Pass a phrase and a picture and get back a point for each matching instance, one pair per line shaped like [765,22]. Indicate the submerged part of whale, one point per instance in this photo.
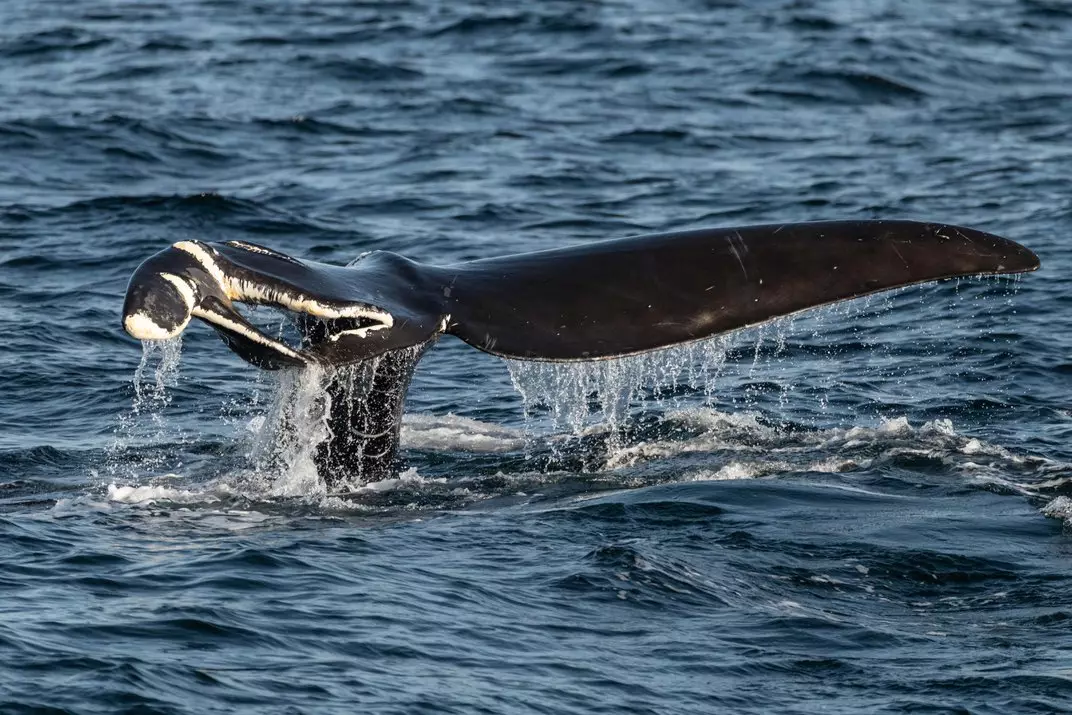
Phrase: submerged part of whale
[588,302]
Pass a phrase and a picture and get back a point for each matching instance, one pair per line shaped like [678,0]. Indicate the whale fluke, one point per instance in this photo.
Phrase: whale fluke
[621,297]
[588,302]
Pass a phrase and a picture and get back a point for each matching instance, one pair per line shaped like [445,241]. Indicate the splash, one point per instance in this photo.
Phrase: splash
[293,421]
[284,440]
[353,408]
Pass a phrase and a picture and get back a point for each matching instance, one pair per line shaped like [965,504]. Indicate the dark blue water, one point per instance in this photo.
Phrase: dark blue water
[860,511]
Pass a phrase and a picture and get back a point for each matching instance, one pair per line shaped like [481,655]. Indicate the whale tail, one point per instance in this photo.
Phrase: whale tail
[588,302]
[374,319]
[616,298]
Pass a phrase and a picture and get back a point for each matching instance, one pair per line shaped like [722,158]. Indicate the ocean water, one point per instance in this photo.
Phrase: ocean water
[860,510]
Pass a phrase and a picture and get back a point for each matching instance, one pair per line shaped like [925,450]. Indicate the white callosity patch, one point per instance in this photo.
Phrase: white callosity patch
[359,332]
[259,293]
[248,291]
[202,255]
[142,327]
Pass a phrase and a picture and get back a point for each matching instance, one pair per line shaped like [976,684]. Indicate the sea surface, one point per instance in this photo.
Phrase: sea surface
[864,509]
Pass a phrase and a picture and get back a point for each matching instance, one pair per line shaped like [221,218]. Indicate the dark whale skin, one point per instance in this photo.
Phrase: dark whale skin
[588,302]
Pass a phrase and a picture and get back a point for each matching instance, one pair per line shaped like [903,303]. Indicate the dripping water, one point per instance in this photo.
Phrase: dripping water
[579,399]
[583,399]
[144,427]
[284,439]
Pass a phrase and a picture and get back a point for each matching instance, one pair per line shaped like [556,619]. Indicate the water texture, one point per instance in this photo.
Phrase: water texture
[860,510]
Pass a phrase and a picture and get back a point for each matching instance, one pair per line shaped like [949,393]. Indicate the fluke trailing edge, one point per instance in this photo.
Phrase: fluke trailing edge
[594,301]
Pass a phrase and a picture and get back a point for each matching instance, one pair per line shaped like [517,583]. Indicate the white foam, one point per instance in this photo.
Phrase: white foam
[455,433]
[408,478]
[1059,508]
[154,494]
[713,420]
[756,469]
[938,427]
[733,470]
[780,451]
[836,465]
[887,427]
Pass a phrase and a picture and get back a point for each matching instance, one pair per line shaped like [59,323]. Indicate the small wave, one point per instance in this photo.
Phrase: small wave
[333,37]
[632,575]
[503,25]
[55,40]
[360,68]
[211,508]
[320,126]
[173,43]
[209,213]
[1049,9]
[123,206]
[840,85]
[132,73]
[651,137]
[600,66]
[472,25]
[18,459]
[813,22]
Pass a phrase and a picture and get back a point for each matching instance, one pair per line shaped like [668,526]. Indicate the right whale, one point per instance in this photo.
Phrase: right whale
[589,302]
